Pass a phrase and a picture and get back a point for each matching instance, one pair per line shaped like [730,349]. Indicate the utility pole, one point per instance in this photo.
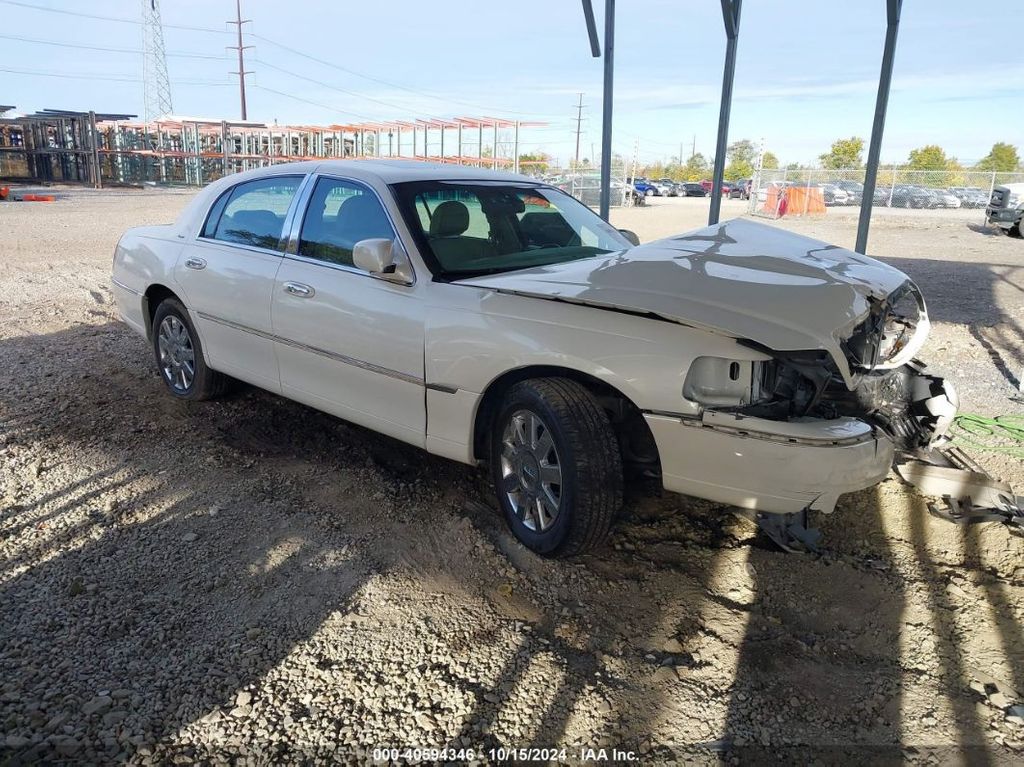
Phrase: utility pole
[239,21]
[579,123]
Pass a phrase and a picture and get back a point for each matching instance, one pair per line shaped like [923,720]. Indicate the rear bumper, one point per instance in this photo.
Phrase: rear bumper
[767,465]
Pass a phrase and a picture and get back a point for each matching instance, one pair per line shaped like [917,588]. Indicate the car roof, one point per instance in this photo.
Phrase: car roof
[390,171]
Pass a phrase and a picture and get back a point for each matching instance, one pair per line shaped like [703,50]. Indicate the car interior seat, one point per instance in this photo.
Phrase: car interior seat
[447,236]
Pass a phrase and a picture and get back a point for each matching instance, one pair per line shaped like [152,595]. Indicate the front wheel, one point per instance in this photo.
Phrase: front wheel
[179,355]
[556,466]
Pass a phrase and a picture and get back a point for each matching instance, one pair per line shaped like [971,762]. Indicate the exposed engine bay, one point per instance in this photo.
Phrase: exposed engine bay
[891,390]
[913,408]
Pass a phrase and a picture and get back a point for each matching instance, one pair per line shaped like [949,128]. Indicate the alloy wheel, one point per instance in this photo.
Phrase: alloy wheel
[177,355]
[531,470]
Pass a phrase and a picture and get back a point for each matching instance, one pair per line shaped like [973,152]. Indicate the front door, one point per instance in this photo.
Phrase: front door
[349,343]
[227,275]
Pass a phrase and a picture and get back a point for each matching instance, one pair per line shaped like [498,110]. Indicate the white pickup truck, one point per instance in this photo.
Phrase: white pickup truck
[1006,208]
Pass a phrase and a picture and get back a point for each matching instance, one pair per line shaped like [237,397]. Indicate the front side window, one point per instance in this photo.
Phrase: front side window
[471,228]
[340,214]
[253,213]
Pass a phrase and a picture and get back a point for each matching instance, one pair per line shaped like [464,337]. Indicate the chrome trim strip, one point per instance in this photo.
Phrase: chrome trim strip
[121,285]
[343,358]
[443,388]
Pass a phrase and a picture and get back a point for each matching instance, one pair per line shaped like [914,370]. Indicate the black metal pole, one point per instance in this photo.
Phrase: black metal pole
[731,16]
[894,8]
[606,117]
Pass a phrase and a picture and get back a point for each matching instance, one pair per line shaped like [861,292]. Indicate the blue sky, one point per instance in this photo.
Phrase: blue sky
[806,71]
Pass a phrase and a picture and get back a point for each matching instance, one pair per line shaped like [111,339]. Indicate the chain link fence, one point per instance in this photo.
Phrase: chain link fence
[819,191]
[585,185]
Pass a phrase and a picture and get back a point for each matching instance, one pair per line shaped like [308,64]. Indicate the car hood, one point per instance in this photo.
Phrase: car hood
[740,278]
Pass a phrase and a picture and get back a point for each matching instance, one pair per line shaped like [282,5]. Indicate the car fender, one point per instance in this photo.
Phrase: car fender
[474,336]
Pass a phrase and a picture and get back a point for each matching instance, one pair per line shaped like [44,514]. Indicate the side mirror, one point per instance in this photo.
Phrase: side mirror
[383,258]
[630,235]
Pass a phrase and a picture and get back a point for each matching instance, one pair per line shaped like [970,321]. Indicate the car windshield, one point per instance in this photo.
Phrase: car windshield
[471,228]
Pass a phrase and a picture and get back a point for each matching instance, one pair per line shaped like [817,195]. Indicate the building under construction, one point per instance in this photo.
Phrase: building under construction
[60,146]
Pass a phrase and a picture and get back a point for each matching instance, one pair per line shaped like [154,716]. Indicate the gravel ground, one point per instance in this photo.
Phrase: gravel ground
[207,581]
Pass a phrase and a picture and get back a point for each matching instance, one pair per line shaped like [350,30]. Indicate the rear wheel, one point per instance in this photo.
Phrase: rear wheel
[556,466]
[179,355]
[1015,230]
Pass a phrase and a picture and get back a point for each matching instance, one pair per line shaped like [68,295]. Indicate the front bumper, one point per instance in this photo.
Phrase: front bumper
[771,466]
[1002,217]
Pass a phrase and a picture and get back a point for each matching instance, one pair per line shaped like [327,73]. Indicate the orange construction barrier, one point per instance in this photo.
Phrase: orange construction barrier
[794,201]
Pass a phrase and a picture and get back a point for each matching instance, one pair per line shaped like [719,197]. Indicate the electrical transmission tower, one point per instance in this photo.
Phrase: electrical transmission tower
[156,84]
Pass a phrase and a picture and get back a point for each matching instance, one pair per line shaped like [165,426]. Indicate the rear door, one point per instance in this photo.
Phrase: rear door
[227,274]
[349,343]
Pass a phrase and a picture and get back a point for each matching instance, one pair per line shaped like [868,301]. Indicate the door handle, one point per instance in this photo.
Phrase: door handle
[299,289]
[195,263]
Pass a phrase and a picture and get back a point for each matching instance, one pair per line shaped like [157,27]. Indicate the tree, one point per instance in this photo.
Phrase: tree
[769,161]
[1003,158]
[942,170]
[535,163]
[930,157]
[845,153]
[696,168]
[741,156]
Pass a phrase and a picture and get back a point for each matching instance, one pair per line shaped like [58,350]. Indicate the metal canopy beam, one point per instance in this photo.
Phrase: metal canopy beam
[588,14]
[606,113]
[731,17]
[893,11]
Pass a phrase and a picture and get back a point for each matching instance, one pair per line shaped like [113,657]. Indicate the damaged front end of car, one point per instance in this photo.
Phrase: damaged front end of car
[877,380]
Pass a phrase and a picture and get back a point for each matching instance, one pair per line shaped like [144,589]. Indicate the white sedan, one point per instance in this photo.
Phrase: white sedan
[492,319]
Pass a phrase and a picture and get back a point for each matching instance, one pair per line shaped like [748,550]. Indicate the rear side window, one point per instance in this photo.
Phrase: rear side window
[253,213]
[340,214]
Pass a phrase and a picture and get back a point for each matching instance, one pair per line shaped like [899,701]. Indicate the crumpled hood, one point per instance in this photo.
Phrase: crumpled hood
[740,278]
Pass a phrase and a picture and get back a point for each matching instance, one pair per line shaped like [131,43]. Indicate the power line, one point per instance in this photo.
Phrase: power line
[322,84]
[106,78]
[418,92]
[106,49]
[267,40]
[314,103]
[117,19]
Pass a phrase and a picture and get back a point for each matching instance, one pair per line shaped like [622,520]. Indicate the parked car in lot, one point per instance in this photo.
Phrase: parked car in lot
[970,196]
[645,187]
[854,191]
[946,199]
[833,195]
[1006,208]
[694,189]
[740,189]
[668,187]
[662,188]
[905,196]
[489,318]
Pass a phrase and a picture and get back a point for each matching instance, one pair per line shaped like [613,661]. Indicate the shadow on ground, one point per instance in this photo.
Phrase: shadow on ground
[165,562]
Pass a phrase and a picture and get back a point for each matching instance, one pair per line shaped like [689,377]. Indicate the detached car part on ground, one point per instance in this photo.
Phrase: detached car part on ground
[1006,209]
[491,319]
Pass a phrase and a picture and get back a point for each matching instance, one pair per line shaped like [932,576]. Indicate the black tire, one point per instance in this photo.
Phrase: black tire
[1015,230]
[206,383]
[587,454]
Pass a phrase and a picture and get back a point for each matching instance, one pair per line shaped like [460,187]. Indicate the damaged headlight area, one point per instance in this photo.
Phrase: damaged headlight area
[892,332]
[891,389]
[915,409]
